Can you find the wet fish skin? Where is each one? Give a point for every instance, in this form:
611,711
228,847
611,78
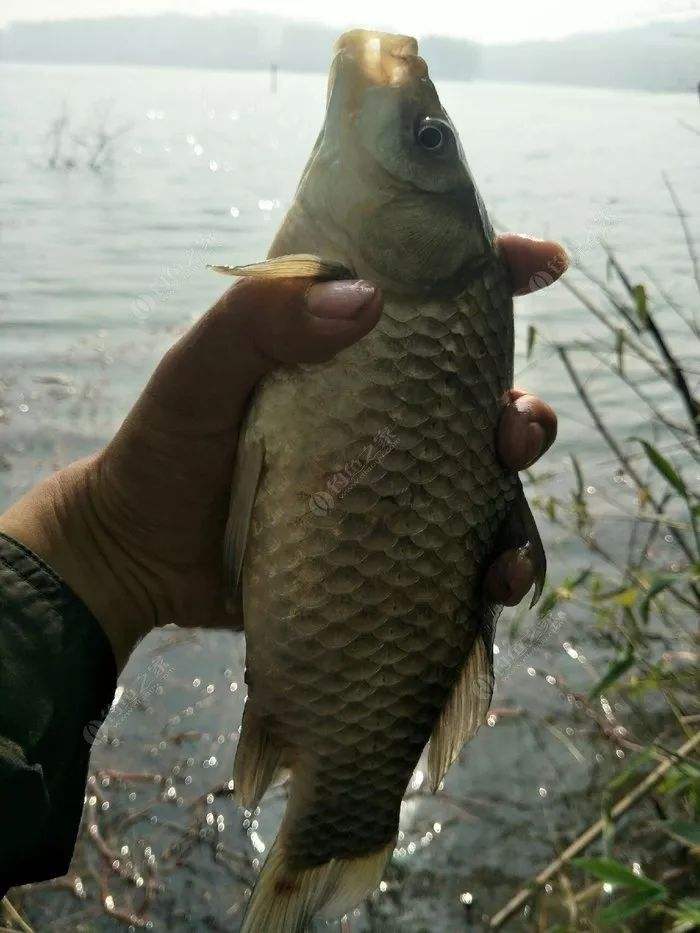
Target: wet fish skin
368,500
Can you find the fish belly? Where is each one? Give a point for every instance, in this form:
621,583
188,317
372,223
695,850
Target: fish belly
378,506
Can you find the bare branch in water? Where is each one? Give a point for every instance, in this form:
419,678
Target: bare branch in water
92,147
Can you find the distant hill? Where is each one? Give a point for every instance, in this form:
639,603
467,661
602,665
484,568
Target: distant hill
239,41
662,56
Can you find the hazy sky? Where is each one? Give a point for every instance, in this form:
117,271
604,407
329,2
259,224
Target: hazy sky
487,20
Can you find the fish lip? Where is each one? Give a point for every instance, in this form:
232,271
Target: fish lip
381,59
399,45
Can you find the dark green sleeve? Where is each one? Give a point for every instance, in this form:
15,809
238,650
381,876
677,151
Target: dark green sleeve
57,681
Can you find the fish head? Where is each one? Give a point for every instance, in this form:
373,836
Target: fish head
389,175
383,105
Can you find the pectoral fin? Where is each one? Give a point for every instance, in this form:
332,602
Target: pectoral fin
469,701
464,712
300,265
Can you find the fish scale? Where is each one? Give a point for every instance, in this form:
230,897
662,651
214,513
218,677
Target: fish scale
349,674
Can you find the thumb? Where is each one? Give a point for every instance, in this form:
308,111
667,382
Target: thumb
295,321
206,377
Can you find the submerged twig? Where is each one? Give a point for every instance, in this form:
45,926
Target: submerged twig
585,839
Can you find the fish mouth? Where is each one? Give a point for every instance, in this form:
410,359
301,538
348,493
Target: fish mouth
382,58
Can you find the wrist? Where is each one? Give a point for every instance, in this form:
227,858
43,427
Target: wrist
59,520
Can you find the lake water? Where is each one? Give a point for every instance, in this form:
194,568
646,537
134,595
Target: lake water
99,273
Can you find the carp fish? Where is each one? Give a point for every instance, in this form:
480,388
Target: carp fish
368,499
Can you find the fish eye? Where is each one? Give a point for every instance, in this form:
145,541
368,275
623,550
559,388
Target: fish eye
433,134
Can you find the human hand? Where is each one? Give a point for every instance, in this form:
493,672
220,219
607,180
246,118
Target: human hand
137,529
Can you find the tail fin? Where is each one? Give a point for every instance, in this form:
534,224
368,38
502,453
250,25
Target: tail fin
286,900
